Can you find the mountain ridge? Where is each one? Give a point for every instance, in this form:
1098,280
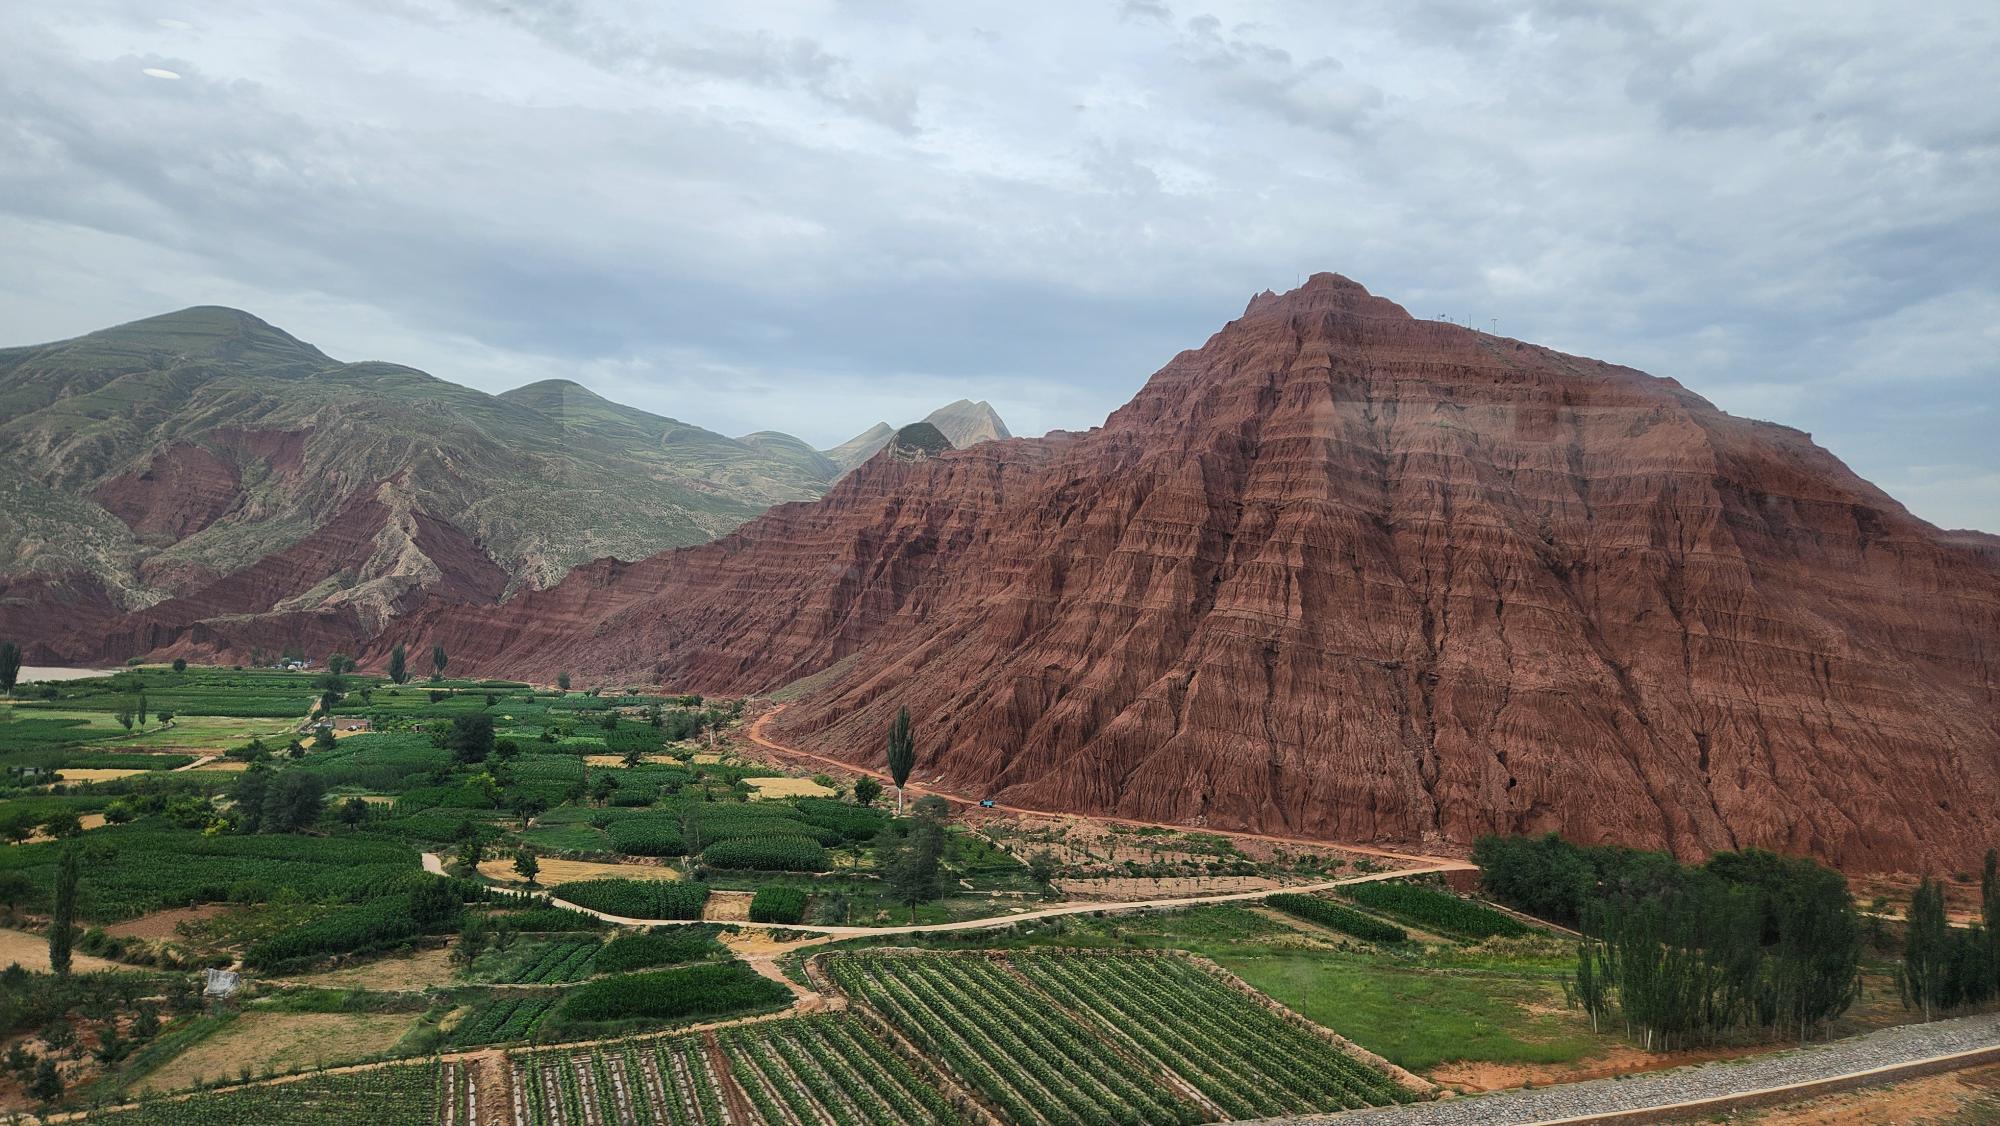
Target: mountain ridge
1340,572
203,463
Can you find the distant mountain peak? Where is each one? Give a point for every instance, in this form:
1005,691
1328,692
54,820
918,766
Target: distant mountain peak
966,423
1324,293
210,332
961,424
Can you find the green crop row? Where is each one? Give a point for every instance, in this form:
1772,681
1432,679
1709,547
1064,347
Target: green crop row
663,995
769,854
1436,910
1337,917
637,899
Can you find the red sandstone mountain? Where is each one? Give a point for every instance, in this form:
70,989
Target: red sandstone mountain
1349,574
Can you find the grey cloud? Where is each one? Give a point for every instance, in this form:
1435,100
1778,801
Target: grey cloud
818,219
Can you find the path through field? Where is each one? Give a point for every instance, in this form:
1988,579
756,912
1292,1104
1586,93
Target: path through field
759,733
1702,1091
435,864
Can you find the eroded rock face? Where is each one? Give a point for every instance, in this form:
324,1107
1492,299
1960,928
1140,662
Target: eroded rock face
185,489
1345,573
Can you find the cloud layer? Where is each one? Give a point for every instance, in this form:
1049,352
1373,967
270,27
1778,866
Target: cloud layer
811,215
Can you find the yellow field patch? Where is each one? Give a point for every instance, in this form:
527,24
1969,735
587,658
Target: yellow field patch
264,1041
226,765
619,760
728,906
788,788
708,758
97,773
555,871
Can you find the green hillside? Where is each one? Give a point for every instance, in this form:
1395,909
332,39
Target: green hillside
265,438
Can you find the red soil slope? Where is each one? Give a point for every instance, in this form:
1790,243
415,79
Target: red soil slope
1345,573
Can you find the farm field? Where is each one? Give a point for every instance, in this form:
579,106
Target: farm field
410,972
369,888
392,1096
1062,1037
773,1073
279,1042
555,870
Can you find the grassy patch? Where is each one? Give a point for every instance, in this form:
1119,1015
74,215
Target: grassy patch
1420,1017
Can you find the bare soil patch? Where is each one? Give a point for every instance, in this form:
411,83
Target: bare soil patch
1622,1059
88,821
223,765
165,924
283,1041
554,871
1121,889
728,906
402,973
32,952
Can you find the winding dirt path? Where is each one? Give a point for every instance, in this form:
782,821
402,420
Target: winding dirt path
433,864
759,733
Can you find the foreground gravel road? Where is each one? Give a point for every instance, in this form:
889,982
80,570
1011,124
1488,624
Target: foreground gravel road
1886,1048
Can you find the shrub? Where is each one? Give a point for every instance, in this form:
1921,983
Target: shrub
769,854
778,905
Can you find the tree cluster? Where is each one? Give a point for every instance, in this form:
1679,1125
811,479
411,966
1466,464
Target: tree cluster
1687,953
273,801
1947,967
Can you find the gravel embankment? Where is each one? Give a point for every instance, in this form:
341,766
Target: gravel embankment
1886,1048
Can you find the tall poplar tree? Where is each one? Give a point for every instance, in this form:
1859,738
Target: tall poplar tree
1927,953
62,927
902,754
399,664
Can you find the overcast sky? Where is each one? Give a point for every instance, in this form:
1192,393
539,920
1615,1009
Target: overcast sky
811,216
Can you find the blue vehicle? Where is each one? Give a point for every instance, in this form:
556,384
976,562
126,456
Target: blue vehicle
986,804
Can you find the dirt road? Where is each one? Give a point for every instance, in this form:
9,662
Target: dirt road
759,733
433,864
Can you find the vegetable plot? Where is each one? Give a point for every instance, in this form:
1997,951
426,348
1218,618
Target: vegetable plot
385,1096
811,1070
1050,1038
1436,910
